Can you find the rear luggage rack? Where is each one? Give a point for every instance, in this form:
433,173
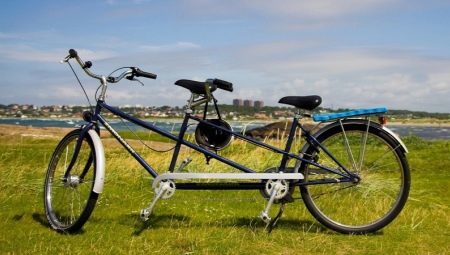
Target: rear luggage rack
353,113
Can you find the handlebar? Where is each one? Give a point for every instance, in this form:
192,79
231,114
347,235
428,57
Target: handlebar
221,84
225,85
130,74
138,72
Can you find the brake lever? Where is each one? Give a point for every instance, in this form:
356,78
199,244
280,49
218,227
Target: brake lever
131,78
65,60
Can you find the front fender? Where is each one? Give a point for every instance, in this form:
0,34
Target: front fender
100,161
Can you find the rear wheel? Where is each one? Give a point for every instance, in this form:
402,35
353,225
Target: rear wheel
69,197
378,159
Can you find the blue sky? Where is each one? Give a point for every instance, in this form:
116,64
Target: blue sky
354,53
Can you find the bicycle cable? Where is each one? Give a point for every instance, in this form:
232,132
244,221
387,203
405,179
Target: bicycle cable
96,91
120,68
81,85
142,142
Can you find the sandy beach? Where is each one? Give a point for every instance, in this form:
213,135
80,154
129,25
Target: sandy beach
12,130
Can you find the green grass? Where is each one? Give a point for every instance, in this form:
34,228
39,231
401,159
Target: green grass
208,222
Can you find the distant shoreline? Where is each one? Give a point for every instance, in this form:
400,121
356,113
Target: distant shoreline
42,132
415,124
419,122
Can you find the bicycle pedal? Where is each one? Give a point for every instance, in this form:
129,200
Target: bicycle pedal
183,164
265,218
145,214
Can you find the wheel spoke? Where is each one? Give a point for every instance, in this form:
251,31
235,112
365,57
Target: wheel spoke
389,150
67,199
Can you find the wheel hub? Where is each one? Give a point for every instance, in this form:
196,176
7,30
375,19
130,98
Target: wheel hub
72,181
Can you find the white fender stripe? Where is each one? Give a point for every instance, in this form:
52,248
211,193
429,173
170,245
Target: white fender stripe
236,176
100,161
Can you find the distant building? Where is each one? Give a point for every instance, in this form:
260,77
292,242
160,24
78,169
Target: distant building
237,102
259,104
248,103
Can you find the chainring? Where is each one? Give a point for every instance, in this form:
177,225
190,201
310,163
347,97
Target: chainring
287,197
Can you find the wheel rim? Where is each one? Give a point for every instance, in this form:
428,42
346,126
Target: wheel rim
67,197
374,197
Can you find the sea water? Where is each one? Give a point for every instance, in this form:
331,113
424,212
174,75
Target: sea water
173,125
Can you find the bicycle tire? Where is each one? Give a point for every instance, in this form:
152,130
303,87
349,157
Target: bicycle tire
380,162
70,201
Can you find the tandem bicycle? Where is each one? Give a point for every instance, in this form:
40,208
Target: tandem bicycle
352,173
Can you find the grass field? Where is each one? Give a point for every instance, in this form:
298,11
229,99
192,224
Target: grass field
211,222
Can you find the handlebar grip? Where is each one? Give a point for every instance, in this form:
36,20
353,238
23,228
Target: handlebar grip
73,53
225,85
138,72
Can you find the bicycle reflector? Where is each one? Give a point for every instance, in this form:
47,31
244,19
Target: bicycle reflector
211,137
382,120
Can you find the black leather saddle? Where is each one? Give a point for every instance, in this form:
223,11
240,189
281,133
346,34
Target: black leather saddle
302,102
196,87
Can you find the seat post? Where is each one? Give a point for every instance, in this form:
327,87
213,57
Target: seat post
290,140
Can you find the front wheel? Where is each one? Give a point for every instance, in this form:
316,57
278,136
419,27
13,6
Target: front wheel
69,197
372,154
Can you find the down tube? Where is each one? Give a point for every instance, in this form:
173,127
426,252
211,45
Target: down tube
141,161
139,122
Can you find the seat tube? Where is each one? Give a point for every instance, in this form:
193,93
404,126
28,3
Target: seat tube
176,151
289,143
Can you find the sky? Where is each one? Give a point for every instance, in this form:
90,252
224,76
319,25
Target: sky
353,53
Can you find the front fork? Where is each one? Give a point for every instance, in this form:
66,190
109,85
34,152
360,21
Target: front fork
67,177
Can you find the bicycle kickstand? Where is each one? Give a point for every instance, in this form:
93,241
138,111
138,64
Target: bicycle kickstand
164,190
274,222
270,224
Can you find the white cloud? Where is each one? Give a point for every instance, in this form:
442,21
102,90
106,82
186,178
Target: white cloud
286,9
394,90
66,93
170,47
8,36
292,59
28,53
36,35
345,78
439,82
114,2
346,61
317,9
124,95
72,93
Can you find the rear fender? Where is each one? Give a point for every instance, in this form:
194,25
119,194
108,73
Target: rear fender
396,137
